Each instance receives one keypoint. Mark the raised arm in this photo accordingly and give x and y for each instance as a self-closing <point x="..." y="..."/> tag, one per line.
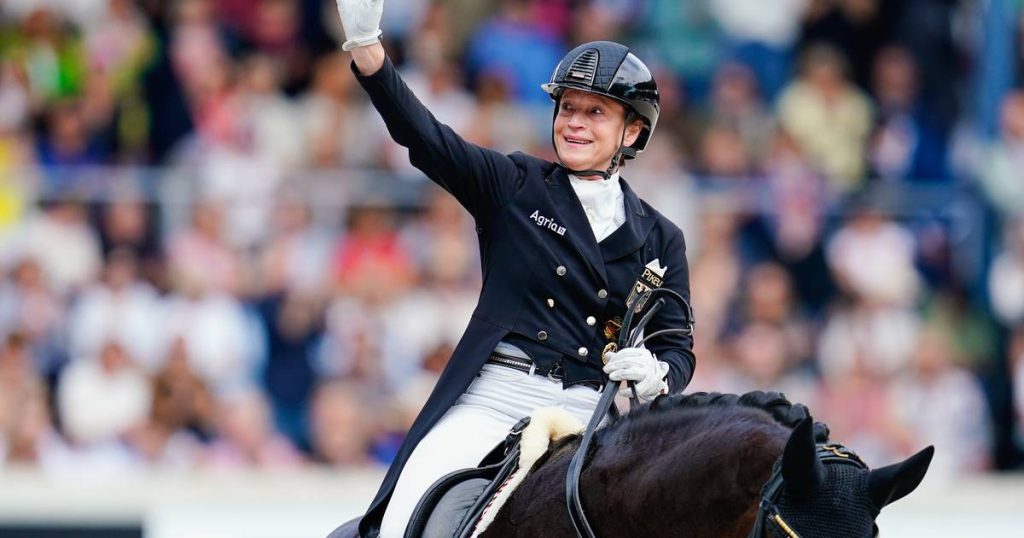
<point x="480" y="179"/>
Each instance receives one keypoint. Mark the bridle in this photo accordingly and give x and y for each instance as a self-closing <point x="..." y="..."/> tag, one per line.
<point x="629" y="336"/>
<point x="768" y="512"/>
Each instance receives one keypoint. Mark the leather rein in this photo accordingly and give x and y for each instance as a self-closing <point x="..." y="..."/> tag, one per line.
<point x="629" y="336"/>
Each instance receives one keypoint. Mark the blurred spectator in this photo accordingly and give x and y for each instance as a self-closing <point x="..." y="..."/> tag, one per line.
<point x="1006" y="277"/>
<point x="270" y="117"/>
<point x="342" y="425"/>
<point x="461" y="19"/>
<point x="181" y="415"/>
<point x="294" y="326"/>
<point x="761" y="35"/>
<point x="440" y="241"/>
<point x="828" y="117"/>
<point x="297" y="255"/>
<point x="716" y="271"/>
<point x="872" y="258"/>
<point x="685" y="37"/>
<point x="939" y="403"/>
<point x="118" y="47"/>
<point x="200" y="257"/>
<point x="908" y="143"/>
<point x="999" y="165"/>
<point x="795" y="207"/>
<point x="512" y="47"/>
<point x="736" y="103"/>
<point x="60" y="239"/>
<point x="1016" y="364"/>
<point x="245" y="437"/>
<point x="768" y="298"/>
<point x="858" y="407"/>
<point x="102" y="397"/>
<point x="50" y="55"/>
<point x="30" y="438"/>
<point x="21" y="391"/>
<point x="220" y="340"/>
<point x="874" y="341"/>
<point x="500" y="123"/>
<point x="370" y="261"/>
<point x="723" y="154"/>
<point x="275" y="30"/>
<point x="16" y="151"/>
<point x="181" y="399"/>
<point x="30" y="307"/>
<point x="122" y="308"/>
<point x="329" y="119"/>
<point x="128" y="224"/>
<point x="858" y="28"/>
<point x="763" y="355"/>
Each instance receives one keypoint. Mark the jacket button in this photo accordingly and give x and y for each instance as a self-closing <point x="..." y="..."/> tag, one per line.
<point x="582" y="352"/>
<point x="551" y="303"/>
<point x="542" y="335"/>
<point x="560" y="270"/>
<point x="591" y="320"/>
<point x="602" y="294"/>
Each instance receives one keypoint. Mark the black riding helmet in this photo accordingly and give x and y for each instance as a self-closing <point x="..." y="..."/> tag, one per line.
<point x="610" y="69"/>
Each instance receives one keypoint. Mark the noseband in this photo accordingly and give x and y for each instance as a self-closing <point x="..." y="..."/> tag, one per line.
<point x="768" y="513"/>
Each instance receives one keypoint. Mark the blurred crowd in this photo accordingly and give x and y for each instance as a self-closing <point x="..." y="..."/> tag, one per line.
<point x="226" y="325"/>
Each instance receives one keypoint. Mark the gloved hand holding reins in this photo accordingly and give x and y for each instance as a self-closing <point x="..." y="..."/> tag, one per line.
<point x="639" y="365"/>
<point x="361" y="21"/>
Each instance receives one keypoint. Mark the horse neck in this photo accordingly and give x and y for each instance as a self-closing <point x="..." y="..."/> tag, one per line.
<point x="701" y="471"/>
<point x="690" y="473"/>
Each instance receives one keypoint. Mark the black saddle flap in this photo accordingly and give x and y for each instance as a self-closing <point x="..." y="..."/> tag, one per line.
<point x="453" y="504"/>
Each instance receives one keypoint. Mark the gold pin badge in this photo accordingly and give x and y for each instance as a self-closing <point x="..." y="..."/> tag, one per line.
<point x="610" y="347"/>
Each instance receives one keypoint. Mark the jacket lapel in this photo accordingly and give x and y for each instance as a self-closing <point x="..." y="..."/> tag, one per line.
<point x="632" y="234"/>
<point x="577" y="226"/>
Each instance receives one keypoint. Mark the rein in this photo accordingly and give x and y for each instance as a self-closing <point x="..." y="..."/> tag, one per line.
<point x="628" y="337"/>
<point x="768" y="513"/>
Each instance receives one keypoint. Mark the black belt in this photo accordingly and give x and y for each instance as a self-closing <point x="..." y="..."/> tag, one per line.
<point x="525" y="365"/>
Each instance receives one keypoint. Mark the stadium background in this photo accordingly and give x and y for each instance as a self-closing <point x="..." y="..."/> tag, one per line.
<point x="216" y="268"/>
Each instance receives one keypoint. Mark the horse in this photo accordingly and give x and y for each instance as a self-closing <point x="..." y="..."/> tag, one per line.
<point x="708" y="466"/>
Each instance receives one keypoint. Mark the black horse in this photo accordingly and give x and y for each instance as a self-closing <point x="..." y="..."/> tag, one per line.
<point x="709" y="465"/>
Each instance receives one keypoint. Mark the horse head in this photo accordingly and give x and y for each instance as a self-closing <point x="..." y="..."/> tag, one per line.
<point x="824" y="489"/>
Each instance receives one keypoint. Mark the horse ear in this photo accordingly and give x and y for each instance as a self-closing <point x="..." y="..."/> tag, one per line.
<point x="802" y="472"/>
<point x="891" y="483"/>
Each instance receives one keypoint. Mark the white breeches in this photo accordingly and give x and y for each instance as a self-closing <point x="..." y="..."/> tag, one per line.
<point x="478" y="421"/>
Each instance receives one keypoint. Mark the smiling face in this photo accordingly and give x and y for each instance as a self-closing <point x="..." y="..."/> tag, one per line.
<point x="588" y="129"/>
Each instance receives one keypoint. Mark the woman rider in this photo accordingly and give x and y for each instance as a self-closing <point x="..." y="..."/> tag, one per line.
<point x="563" y="246"/>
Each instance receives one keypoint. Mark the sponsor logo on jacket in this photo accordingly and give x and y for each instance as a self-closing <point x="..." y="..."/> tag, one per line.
<point x="547" y="222"/>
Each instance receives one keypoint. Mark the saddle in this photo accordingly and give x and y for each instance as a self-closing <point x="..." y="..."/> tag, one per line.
<point x="454" y="503"/>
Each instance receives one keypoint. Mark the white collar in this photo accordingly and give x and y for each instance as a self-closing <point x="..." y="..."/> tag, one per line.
<point x="602" y="201"/>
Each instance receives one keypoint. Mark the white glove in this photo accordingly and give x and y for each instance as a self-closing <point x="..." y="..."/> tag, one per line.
<point x="361" y="21"/>
<point x="637" y="364"/>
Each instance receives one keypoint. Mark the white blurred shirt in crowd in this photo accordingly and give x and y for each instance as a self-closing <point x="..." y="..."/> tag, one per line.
<point x="881" y="338"/>
<point x="775" y="23"/>
<point x="131" y="316"/>
<point x="876" y="261"/>
<point x="97" y="406"/>
<point x="67" y="250"/>
<point x="950" y="412"/>
<point x="219" y="339"/>
<point x="1006" y="287"/>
